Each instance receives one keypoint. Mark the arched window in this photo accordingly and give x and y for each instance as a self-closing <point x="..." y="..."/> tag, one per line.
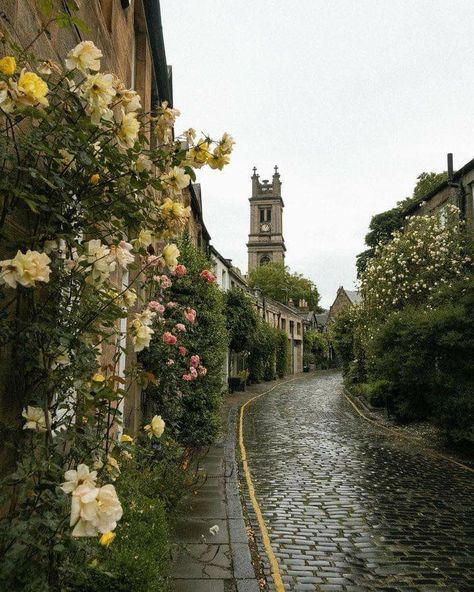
<point x="265" y="260"/>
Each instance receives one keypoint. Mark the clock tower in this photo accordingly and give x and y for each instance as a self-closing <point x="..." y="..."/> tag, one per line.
<point x="266" y="243"/>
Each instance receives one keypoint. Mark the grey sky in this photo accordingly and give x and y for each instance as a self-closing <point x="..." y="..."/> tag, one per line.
<point x="352" y="99"/>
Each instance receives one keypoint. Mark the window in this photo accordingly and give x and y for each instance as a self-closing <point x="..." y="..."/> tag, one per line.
<point x="298" y="328"/>
<point x="265" y="260"/>
<point x="265" y="215"/>
<point x="283" y="324"/>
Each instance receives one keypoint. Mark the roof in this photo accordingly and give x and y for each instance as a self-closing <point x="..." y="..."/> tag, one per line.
<point x="469" y="166"/>
<point x="354" y="296"/>
<point x="196" y="206"/>
<point x="322" y="318"/>
<point x="223" y="260"/>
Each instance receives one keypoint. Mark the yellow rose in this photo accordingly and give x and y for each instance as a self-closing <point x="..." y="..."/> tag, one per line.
<point x="7" y="65"/>
<point x="95" y="179"/>
<point x="33" y="87"/>
<point x="107" y="538"/>
<point x="170" y="255"/>
<point x="126" y="438"/>
<point x="98" y="377"/>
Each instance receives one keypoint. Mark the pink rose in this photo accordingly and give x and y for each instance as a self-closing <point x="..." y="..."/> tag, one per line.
<point x="169" y="338"/>
<point x="156" y="306"/>
<point x="152" y="260"/>
<point x="208" y="276"/>
<point x="172" y="305"/>
<point x="182" y="350"/>
<point x="202" y="371"/>
<point x="165" y="282"/>
<point x="190" y="315"/>
<point x="180" y="327"/>
<point x="180" y="270"/>
<point x="193" y="372"/>
<point x="195" y="361"/>
<point x="187" y="377"/>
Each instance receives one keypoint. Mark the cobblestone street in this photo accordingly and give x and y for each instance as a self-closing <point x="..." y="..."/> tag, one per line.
<point x="350" y="508"/>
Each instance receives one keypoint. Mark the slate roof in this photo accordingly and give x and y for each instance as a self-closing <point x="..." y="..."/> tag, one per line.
<point x="354" y="296"/>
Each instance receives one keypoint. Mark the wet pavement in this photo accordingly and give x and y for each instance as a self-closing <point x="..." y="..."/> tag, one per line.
<point x="350" y="508"/>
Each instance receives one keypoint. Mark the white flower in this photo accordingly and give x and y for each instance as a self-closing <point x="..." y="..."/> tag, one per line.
<point x="121" y="253"/>
<point x="128" y="131"/>
<point x="140" y="333"/>
<point x="25" y="269"/>
<point x="129" y="99"/>
<point x="99" y="261"/>
<point x="35" y="419"/>
<point x="156" y="427"/>
<point x="143" y="163"/>
<point x="170" y="255"/>
<point x="214" y="530"/>
<point x="144" y="238"/>
<point x="94" y="510"/>
<point x="85" y="56"/>
<point x="176" y="178"/>
<point x="129" y="297"/>
<point x="75" y="478"/>
<point x="98" y="91"/>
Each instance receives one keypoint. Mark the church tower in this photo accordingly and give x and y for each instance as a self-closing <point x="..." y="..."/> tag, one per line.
<point x="266" y="243"/>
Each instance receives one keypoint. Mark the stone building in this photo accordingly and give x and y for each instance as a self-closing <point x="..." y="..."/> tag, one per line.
<point x="129" y="34"/>
<point x="343" y="299"/>
<point x="266" y="243"/>
<point x="457" y="190"/>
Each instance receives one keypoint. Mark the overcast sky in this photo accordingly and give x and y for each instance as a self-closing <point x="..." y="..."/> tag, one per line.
<point x="351" y="98"/>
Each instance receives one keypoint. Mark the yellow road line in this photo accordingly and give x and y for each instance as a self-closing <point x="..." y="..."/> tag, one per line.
<point x="275" y="570"/>
<point x="391" y="430"/>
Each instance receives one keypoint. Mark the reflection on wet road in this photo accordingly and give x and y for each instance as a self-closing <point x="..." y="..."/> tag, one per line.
<point x="350" y="508"/>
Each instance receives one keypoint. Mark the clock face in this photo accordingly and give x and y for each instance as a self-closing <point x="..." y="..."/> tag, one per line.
<point x="265" y="227"/>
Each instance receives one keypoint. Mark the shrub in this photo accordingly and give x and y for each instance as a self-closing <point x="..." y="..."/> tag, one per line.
<point x="282" y="353"/>
<point x="427" y="357"/>
<point x="241" y="320"/>
<point x="375" y="392"/>
<point x="138" y="559"/>
<point x="191" y="409"/>
<point x="262" y="353"/>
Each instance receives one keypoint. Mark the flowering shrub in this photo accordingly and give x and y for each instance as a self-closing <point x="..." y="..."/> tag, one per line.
<point x="428" y="253"/>
<point x="188" y="387"/>
<point x="95" y="185"/>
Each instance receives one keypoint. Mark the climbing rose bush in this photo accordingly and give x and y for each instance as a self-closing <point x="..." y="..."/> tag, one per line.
<point x="96" y="186"/>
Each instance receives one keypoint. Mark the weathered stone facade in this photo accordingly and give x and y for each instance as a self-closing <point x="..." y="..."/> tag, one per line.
<point x="458" y="191"/>
<point x="266" y="243"/>
<point x="343" y="299"/>
<point x="131" y="41"/>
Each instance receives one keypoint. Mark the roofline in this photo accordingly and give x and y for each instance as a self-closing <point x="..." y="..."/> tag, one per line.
<point x="225" y="261"/>
<point x="157" y="45"/>
<point x="197" y="208"/>
<point x="469" y="166"/>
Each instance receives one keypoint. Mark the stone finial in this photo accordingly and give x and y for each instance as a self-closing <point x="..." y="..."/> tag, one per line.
<point x="276" y="170"/>
<point x="254" y="172"/>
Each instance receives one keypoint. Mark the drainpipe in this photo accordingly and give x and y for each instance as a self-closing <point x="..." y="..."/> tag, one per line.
<point x="162" y="91"/>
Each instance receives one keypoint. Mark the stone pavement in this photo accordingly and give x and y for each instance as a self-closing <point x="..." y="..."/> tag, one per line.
<point x="220" y="563"/>
<point x="350" y="508"/>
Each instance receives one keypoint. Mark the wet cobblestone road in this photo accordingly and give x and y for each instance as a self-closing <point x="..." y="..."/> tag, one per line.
<point x="350" y="508"/>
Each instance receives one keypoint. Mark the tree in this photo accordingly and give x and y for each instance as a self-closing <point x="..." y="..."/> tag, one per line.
<point x="276" y="281"/>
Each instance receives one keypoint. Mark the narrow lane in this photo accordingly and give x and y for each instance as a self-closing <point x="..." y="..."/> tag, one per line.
<point x="350" y="508"/>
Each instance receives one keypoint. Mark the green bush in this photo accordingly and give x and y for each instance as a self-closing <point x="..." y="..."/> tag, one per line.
<point x="241" y="320"/>
<point x="375" y="392"/>
<point x="138" y="558"/>
<point x="427" y="356"/>
<point x="262" y="353"/>
<point x="282" y="352"/>
<point x="190" y="409"/>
